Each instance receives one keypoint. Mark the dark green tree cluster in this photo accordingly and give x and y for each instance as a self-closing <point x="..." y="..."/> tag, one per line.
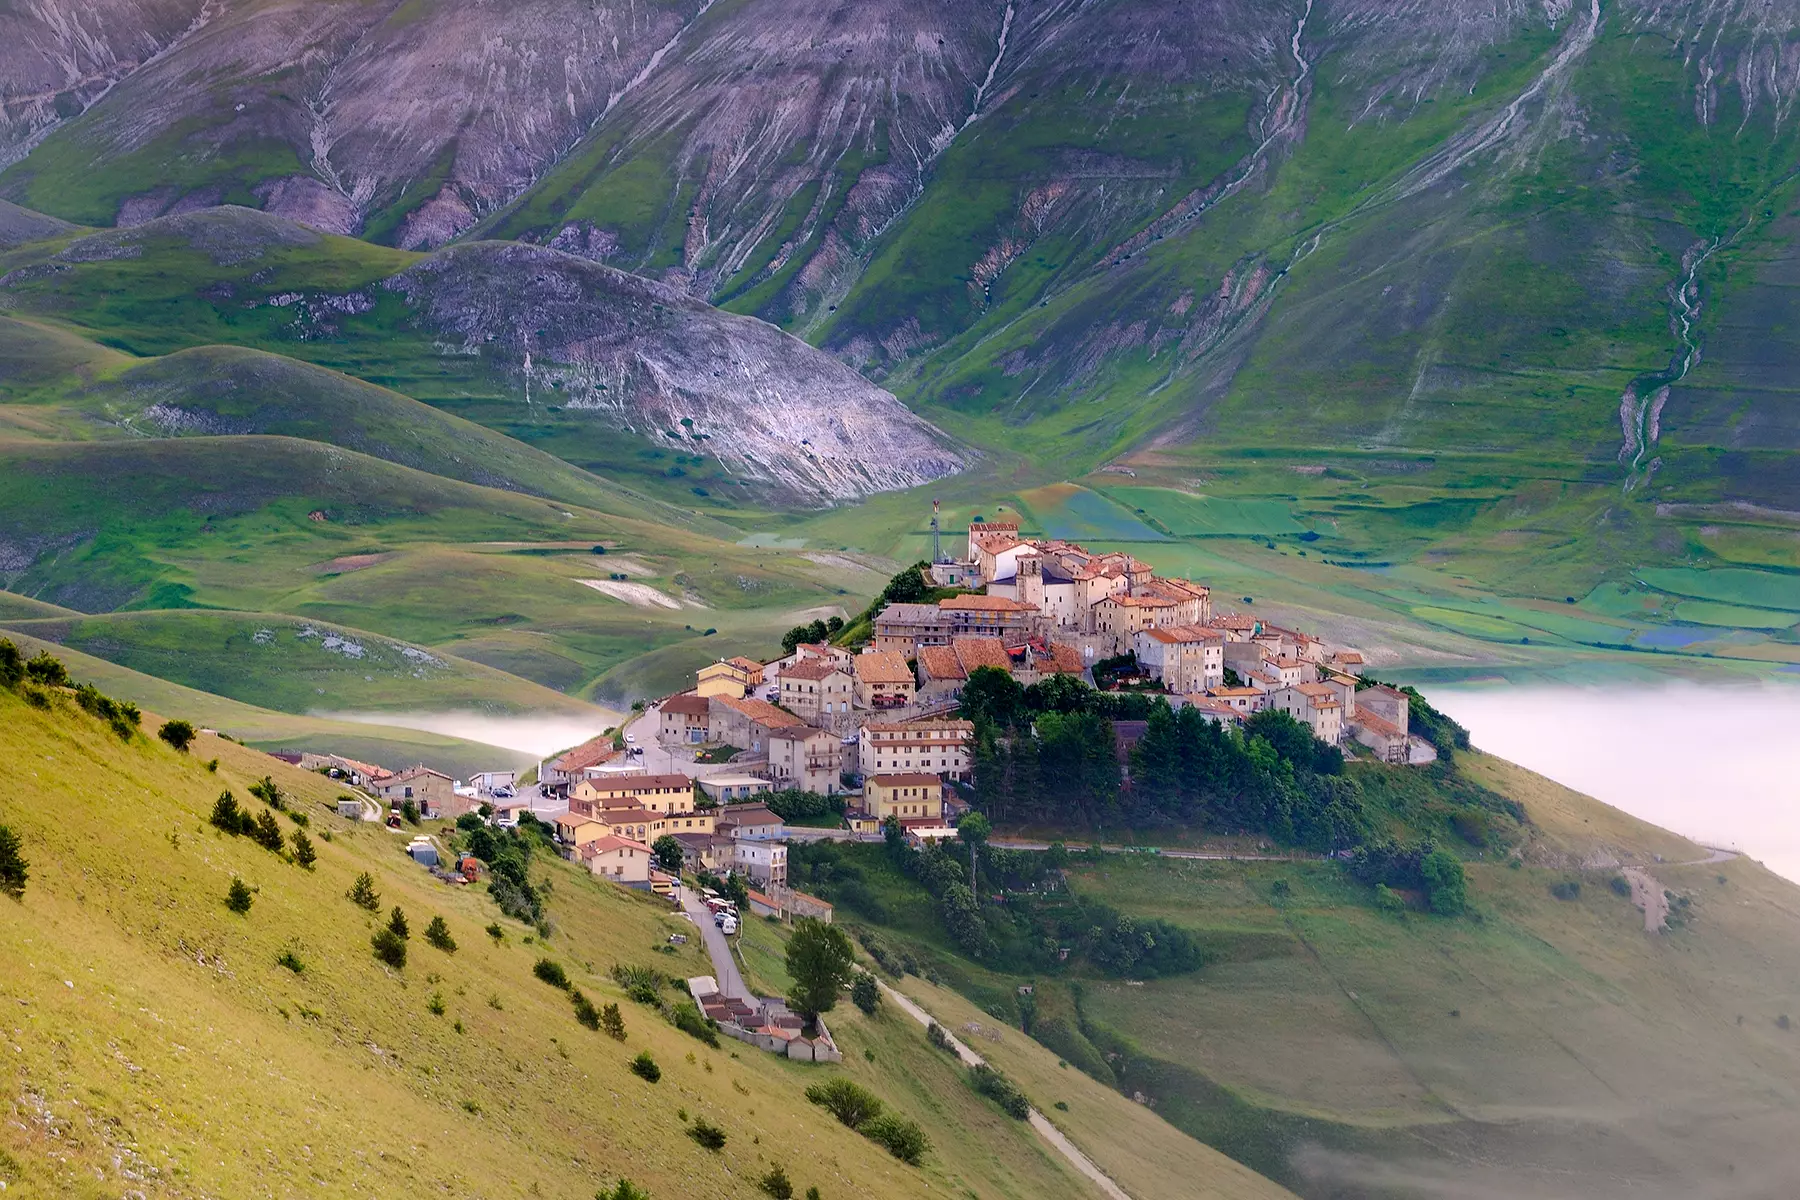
<point x="793" y="804"/>
<point x="810" y="634"/>
<point x="507" y="853"/>
<point x="262" y="828"/>
<point x="122" y="715"/>
<point x="820" y="962"/>
<point x="1423" y="868"/>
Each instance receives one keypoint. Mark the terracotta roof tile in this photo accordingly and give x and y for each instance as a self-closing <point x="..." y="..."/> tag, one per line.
<point x="975" y="652"/>
<point x="984" y="604"/>
<point x="940" y="662"/>
<point x="882" y="666"/>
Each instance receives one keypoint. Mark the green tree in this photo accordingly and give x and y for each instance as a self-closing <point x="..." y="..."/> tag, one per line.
<point x="865" y="993"/>
<point x="14" y="870"/>
<point x="438" y="934"/>
<point x="669" y="853"/>
<point x="397" y="923"/>
<point x="12" y="664"/>
<point x="973" y="830"/>
<point x="1446" y="887"/>
<point x="304" y="854"/>
<point x="389" y="947"/>
<point x="736" y="890"/>
<point x="993" y="697"/>
<point x="46" y="670"/>
<point x="179" y="734"/>
<point x="362" y="893"/>
<point x="820" y="960"/>
<point x="409" y="811"/>
<point x="776" y="1183"/>
<point x="612" y="1022"/>
<point x="238" y="897"/>
<point x="267" y="832"/>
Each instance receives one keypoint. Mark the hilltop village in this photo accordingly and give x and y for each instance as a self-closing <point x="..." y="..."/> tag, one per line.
<point x="877" y="725"/>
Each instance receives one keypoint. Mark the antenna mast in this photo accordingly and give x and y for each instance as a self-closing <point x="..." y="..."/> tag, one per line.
<point x="937" y="545"/>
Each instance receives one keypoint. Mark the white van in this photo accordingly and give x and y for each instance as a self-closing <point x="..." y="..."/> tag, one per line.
<point x="727" y="924"/>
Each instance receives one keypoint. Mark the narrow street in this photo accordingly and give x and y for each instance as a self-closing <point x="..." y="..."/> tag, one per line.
<point x="718" y="948"/>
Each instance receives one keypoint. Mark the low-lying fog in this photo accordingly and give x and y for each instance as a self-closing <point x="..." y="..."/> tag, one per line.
<point x="1719" y="764"/>
<point x="538" y="736"/>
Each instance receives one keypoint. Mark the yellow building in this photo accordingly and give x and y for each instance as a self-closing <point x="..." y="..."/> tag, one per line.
<point x="910" y="796"/>
<point x="728" y="677"/>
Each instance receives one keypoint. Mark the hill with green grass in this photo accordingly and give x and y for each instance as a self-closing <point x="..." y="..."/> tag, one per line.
<point x="1347" y="1041"/>
<point x="190" y="1010"/>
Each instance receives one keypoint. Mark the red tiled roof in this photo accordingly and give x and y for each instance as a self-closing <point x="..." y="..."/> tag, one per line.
<point x="1140" y="601"/>
<point x="686" y="704"/>
<point x="940" y="662"/>
<point x="1064" y="660"/>
<point x="882" y="666"/>
<point x="975" y="652"/>
<point x="760" y="711"/>
<point x="907" y="779"/>
<point x="1375" y="723"/>
<point x="602" y="845"/>
<point x="588" y="754"/>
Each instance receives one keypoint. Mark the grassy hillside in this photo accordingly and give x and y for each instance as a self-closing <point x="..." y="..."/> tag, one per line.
<point x="1542" y="1041"/>
<point x="157" y="1042"/>
<point x="267" y="729"/>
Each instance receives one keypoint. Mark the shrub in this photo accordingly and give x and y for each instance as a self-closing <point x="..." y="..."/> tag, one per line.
<point x="363" y="894"/>
<point x="777" y="1184"/>
<point x="304" y="854"/>
<point x="689" y="1019"/>
<point x="645" y="1068"/>
<point x="552" y="973"/>
<point x="939" y="1037"/>
<point x="410" y="812"/>
<point x="623" y="1190"/>
<point x="179" y="734"/>
<point x="238" y="897"/>
<point x="267" y="833"/>
<point x="297" y="817"/>
<point x="640" y="983"/>
<point x="1446" y="887"/>
<point x="290" y="960"/>
<point x="12" y="664"/>
<point x="902" y="1138"/>
<point x="585" y="1012"/>
<point x="1388" y="900"/>
<point x="389" y="947"/>
<point x="707" y="1134"/>
<point x="14" y="870"/>
<point x="865" y="994"/>
<point x="436" y="1004"/>
<point x="494" y="931"/>
<point x="266" y="790"/>
<point x="1000" y="1090"/>
<point x="1570" y="889"/>
<point x="397" y="924"/>
<point x="46" y="670"/>
<point x="438" y="934"/>
<point x="1620" y="885"/>
<point x="848" y="1101"/>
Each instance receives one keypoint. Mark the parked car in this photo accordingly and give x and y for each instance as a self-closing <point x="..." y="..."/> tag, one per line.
<point x="503" y="793"/>
<point x="631" y="737"/>
<point x="728" y="924"/>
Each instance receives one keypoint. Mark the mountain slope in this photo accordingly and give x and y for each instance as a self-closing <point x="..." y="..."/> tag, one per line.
<point x="156" y="1042"/>
<point x="547" y="347"/>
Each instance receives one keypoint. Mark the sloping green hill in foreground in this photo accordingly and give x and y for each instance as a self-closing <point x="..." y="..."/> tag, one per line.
<point x="156" y="1041"/>
<point x="1542" y="1044"/>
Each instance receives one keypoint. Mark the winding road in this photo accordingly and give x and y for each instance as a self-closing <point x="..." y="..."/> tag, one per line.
<point x="1647" y="891"/>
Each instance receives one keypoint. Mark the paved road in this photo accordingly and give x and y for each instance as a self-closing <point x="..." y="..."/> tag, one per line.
<point x="1050" y="1133"/>
<point x="658" y="759"/>
<point x="718" y="948"/>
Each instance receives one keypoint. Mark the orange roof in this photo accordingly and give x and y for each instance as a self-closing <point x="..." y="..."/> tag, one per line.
<point x="1377" y="724"/>
<point x="1179" y="588"/>
<point x="686" y="704"/>
<point x="1236" y="621"/>
<point x="940" y="662"/>
<point x="609" y="843"/>
<point x="975" y="652"/>
<point x="1063" y="660"/>
<point x="922" y="724"/>
<point x="641" y="783"/>
<point x="1316" y="690"/>
<point x="993" y="526"/>
<point x="1234" y="691"/>
<point x="1348" y="656"/>
<point x="748" y="664"/>
<point x="907" y="779"/>
<point x="799" y="733"/>
<point x="882" y="666"/>
<point x="760" y="711"/>
<point x="1140" y="601"/>
<point x="984" y="604"/>
<point x="588" y="754"/>
<point x="1179" y="634"/>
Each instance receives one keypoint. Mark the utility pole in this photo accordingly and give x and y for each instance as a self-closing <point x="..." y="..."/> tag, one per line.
<point x="937" y="545"/>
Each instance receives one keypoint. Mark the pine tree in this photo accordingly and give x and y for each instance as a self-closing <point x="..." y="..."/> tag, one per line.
<point x="268" y="833"/>
<point x="304" y="854"/>
<point x="239" y="898"/>
<point x="612" y="1022"/>
<point x="397" y="923"/>
<point x="438" y="934"/>
<point x="225" y="812"/>
<point x="363" y="894"/>
<point x="13" y="867"/>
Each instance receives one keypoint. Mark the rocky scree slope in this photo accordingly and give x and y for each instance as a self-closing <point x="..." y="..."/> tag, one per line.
<point x="539" y="326"/>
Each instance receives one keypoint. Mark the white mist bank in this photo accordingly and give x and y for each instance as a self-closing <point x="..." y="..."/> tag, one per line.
<point x="538" y="736"/>
<point x="1720" y="765"/>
